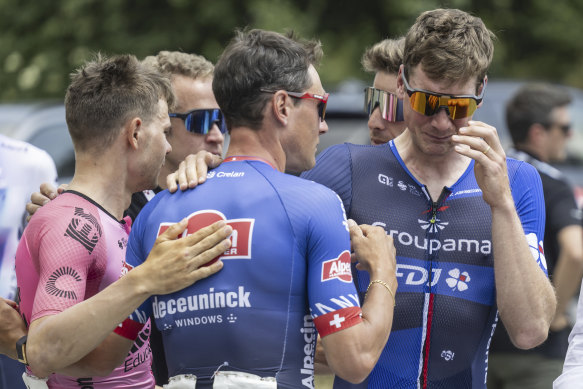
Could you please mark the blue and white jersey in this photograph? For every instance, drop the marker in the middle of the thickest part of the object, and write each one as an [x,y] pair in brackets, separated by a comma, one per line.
[23,168]
[286,277]
[445,310]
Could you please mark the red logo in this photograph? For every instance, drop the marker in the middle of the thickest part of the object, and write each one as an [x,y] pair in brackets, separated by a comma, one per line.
[240,238]
[125,268]
[337,268]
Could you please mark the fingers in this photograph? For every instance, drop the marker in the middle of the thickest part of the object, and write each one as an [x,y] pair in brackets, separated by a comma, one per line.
[173,232]
[209,242]
[480,142]
[48,191]
[62,188]
[171,182]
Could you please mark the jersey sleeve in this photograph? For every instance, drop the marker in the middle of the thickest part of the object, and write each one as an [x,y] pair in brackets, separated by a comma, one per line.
[331,170]
[526,187]
[65,262]
[332,295]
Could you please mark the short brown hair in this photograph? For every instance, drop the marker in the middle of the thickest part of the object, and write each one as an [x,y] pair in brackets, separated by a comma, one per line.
[259,59]
[384,56]
[179,63]
[106,92]
[450,45]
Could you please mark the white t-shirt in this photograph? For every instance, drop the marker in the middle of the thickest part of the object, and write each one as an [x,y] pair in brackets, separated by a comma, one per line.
[572,376]
[23,168]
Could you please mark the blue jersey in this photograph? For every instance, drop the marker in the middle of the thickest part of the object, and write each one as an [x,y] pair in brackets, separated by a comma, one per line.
[286,275]
[446,301]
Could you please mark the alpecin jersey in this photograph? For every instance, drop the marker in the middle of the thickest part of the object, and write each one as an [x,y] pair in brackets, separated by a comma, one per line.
[445,310]
[285,278]
[72,249]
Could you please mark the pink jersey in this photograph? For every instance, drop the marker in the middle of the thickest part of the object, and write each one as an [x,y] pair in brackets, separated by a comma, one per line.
[71,250]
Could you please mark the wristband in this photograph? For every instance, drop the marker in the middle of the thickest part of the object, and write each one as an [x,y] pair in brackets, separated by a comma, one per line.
[383,283]
[21,350]
[129,329]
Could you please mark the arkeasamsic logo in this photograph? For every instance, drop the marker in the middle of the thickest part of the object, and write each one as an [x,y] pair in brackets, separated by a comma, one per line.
[338,268]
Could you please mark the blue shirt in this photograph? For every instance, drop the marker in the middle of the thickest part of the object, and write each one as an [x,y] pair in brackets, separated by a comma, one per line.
[286,275]
[446,300]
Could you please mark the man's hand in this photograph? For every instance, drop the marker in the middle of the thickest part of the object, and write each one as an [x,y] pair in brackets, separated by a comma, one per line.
[12,327]
[46,194]
[192,171]
[374,250]
[480,142]
[174,264]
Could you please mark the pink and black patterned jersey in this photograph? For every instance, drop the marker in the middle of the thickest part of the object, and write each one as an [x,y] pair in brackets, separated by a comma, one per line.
[71,250]
[286,277]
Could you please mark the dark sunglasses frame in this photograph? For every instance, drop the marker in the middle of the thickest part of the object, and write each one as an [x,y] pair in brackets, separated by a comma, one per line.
[392,108]
[322,99]
[201,121]
[430,111]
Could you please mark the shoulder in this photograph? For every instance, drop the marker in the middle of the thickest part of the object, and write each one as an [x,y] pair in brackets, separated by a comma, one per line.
[522,171]
[28,159]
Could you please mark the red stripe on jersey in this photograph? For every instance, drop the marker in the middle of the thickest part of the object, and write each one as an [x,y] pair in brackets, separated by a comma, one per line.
[427,339]
[129,329]
[338,320]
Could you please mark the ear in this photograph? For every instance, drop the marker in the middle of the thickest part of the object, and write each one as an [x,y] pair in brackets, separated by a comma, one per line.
[281,107]
[480,89]
[401,92]
[536,134]
[133,131]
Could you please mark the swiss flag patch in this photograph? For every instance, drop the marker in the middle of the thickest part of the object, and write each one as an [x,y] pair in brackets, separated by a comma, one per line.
[337,268]
[338,320]
[240,238]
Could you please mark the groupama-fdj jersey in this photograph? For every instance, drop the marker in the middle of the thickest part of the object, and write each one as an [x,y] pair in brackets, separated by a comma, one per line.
[71,250]
[446,301]
[286,275]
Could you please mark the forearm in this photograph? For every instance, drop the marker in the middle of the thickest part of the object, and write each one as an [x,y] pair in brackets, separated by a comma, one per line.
[58,341]
[353,353]
[524,294]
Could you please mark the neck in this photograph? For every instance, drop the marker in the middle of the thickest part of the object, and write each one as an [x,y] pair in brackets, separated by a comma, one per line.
[533,151]
[104,179]
[164,172]
[257,143]
[433,170]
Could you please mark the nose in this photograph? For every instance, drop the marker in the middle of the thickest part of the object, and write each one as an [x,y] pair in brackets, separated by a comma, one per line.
[168,147]
[375,120]
[215,135]
[441,120]
[323,128]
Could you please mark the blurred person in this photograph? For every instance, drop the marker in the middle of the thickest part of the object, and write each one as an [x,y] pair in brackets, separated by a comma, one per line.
[539,122]
[71,256]
[287,274]
[384,109]
[572,375]
[23,168]
[463,217]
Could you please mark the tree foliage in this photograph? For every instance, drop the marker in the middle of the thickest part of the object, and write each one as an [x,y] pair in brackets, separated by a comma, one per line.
[43,41]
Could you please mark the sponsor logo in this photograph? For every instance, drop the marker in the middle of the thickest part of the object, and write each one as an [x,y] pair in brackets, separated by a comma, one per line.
[125,268]
[310,336]
[197,321]
[240,238]
[66,275]
[85,229]
[85,383]
[447,355]
[204,301]
[338,268]
[122,243]
[137,355]
[537,250]
[232,174]
[344,221]
[432,225]
[211,174]
[402,186]
[458,280]
[385,180]
[231,318]
[417,275]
